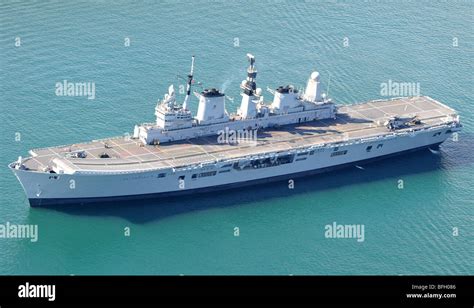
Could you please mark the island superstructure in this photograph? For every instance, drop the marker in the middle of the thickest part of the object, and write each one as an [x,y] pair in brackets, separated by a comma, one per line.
[299,133]
[175,122]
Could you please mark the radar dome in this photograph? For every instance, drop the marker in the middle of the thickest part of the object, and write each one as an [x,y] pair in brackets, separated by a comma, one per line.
[315,76]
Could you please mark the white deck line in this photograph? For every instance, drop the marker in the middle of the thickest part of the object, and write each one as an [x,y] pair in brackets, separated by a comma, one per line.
[125,150]
[150,152]
[412,103]
[377,108]
[113,150]
[360,114]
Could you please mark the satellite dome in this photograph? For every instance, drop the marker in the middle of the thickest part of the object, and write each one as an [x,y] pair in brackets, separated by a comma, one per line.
[315,76]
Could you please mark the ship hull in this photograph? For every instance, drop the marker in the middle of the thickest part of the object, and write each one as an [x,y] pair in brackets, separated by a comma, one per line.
[44,189]
[38,202]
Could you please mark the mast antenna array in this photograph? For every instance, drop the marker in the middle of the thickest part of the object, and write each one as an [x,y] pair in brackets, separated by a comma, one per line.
[188,85]
[249,85]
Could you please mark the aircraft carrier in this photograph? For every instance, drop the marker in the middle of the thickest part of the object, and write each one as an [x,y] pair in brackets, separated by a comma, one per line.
[297,134]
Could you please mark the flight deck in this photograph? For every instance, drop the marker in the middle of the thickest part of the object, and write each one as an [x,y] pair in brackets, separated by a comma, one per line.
[359,121]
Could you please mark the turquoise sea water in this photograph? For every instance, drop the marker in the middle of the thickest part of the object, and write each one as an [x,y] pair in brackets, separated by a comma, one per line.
[407,231]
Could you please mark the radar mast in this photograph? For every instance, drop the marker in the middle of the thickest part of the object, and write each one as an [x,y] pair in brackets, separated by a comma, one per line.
[188,85]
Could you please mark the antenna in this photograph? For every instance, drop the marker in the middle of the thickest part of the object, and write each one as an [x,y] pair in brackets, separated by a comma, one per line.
[188,85]
[249,85]
[251,59]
